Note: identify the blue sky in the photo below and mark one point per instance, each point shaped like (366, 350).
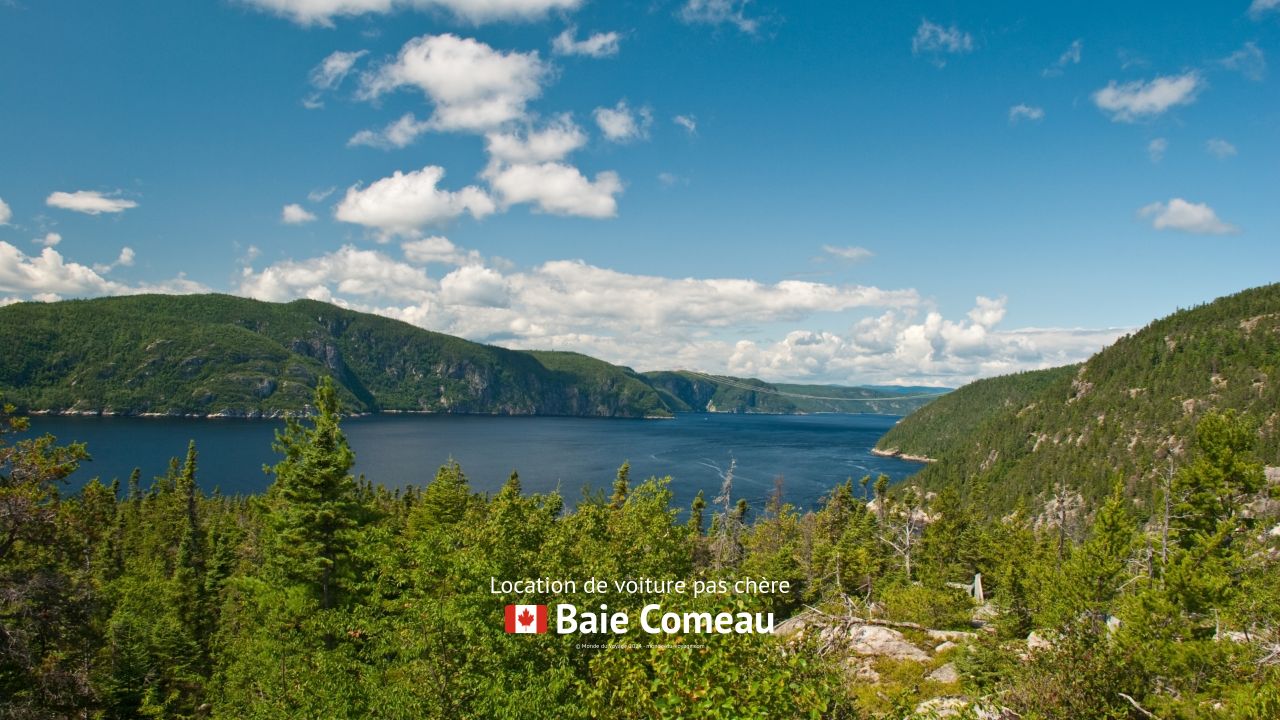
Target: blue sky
(818, 191)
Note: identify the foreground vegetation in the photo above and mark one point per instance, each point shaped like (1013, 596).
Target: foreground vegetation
(328, 597)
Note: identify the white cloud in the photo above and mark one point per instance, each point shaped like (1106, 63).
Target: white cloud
(935, 40)
(1027, 112)
(849, 253)
(89, 202)
(652, 322)
(125, 259)
(556, 140)
(1157, 148)
(295, 214)
(596, 45)
(50, 274)
(1249, 61)
(437, 249)
(473, 87)
(719, 12)
(669, 179)
(398, 134)
(331, 71)
(320, 195)
(5, 213)
(1071, 56)
(405, 202)
(474, 285)
(557, 188)
(1260, 7)
(1178, 214)
(346, 271)
(47, 272)
(899, 347)
(1220, 148)
(49, 240)
(621, 124)
(323, 12)
(1136, 100)
(688, 122)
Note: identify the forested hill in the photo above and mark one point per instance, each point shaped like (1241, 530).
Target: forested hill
(224, 355)
(1126, 412)
(698, 392)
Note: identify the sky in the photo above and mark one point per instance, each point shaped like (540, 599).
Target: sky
(918, 193)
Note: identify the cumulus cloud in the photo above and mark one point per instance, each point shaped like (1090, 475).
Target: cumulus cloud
(720, 12)
(1138, 100)
(405, 202)
(596, 45)
(1178, 214)
(5, 213)
(1220, 148)
(900, 347)
(621, 124)
(936, 40)
(1249, 61)
(89, 202)
(1157, 148)
(557, 188)
(437, 249)
(50, 275)
(560, 137)
(1071, 56)
(652, 322)
(1025, 112)
(324, 12)
(295, 214)
(475, 286)
(125, 259)
(346, 271)
(848, 253)
(398, 134)
(50, 239)
(688, 122)
(472, 86)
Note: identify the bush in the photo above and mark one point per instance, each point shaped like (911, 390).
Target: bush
(931, 607)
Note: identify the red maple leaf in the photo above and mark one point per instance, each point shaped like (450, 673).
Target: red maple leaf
(525, 617)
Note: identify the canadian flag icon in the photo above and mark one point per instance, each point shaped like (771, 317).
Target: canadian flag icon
(526, 618)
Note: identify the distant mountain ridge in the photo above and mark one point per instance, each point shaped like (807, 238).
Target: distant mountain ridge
(220, 355)
(684, 390)
(1125, 413)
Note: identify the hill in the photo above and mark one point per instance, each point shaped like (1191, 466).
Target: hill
(1127, 412)
(697, 392)
(216, 354)
(231, 356)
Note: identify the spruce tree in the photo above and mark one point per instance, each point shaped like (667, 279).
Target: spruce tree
(313, 508)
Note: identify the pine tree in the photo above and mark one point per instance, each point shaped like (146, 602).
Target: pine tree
(621, 485)
(313, 508)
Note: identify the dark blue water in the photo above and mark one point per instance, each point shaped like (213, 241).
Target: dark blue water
(812, 452)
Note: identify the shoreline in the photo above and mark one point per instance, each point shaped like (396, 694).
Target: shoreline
(896, 453)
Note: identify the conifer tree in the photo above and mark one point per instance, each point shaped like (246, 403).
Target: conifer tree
(621, 485)
(313, 507)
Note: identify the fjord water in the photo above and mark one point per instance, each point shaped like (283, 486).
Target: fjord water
(812, 452)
